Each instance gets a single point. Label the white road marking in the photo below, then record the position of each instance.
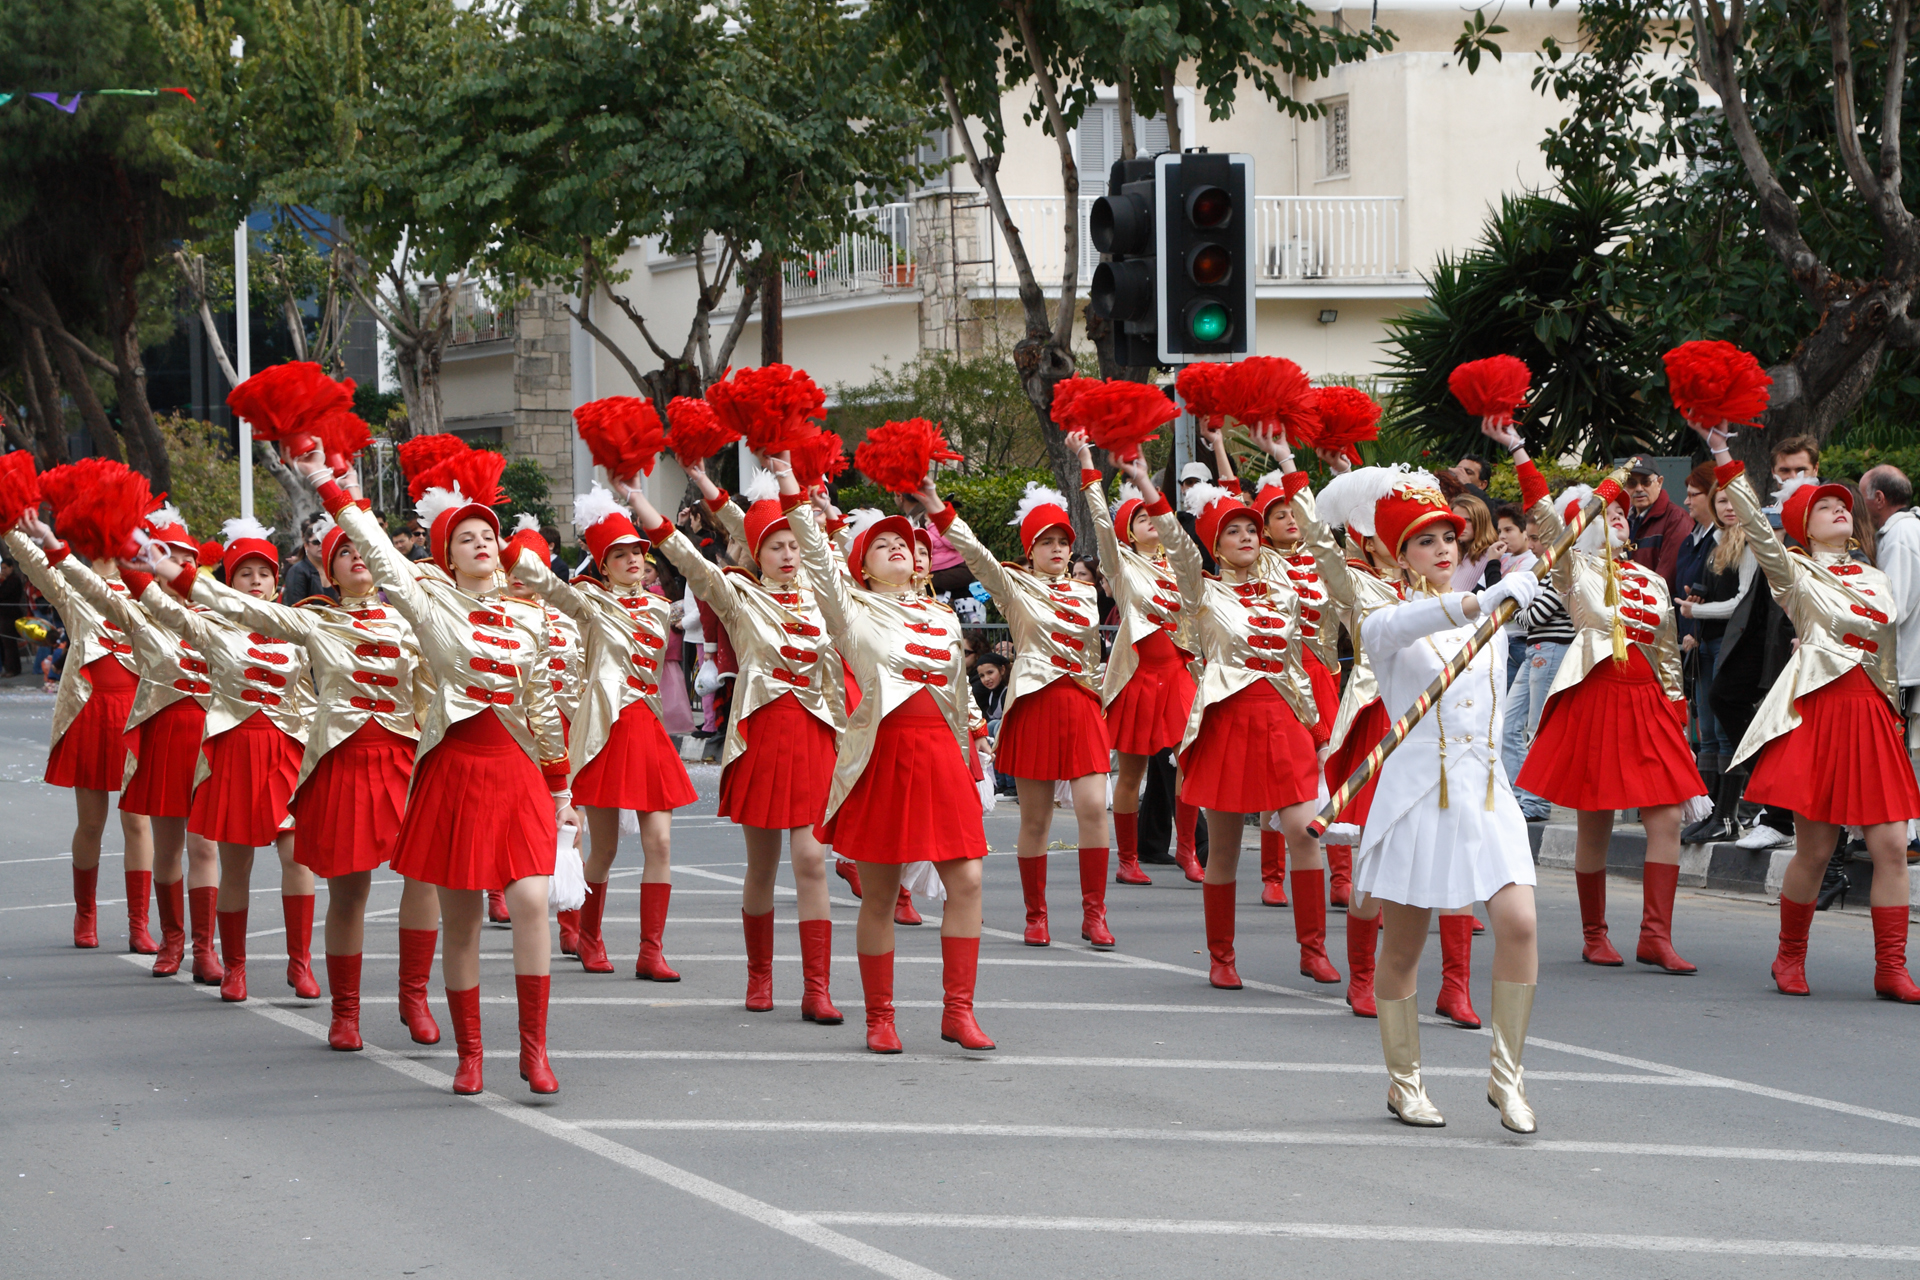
(99, 902)
(58, 857)
(1043, 1006)
(1251, 1137)
(1344, 1232)
(371, 915)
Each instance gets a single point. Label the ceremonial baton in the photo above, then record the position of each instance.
(1426, 701)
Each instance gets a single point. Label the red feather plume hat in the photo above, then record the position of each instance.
(1200, 386)
(623, 433)
(463, 486)
(246, 539)
(1212, 507)
(97, 504)
(773, 408)
(896, 455)
(1273, 392)
(1348, 415)
(19, 487)
(1715, 383)
(1413, 503)
(765, 513)
(1491, 388)
(697, 432)
(422, 454)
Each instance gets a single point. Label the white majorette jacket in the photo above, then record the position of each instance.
(480, 655)
(1146, 595)
(779, 638)
(1054, 620)
(1843, 612)
(90, 635)
(897, 645)
(624, 632)
(1247, 624)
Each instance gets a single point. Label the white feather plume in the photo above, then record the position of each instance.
(1349, 497)
(1272, 480)
(1037, 495)
(244, 527)
(524, 523)
(861, 519)
(322, 526)
(590, 508)
(436, 501)
(761, 487)
(1201, 496)
(165, 514)
(1129, 492)
(1793, 486)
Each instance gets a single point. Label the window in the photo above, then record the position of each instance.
(1097, 143)
(1334, 127)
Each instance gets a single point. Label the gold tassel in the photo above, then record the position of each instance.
(1613, 595)
(1443, 780)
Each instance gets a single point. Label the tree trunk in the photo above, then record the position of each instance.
(1129, 145)
(301, 502)
(1170, 105)
(49, 416)
(772, 324)
(73, 376)
(144, 443)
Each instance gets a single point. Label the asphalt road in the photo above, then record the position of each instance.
(1134, 1121)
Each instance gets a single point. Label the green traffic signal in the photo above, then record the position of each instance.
(1208, 322)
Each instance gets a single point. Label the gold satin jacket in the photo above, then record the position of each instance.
(626, 649)
(480, 653)
(779, 641)
(1645, 611)
(1248, 625)
(1843, 614)
(1054, 621)
(365, 662)
(566, 660)
(170, 668)
(1318, 572)
(897, 645)
(1145, 594)
(89, 635)
(1371, 593)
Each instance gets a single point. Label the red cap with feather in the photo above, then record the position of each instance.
(247, 539)
(462, 487)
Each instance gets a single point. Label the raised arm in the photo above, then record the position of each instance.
(392, 571)
(1768, 551)
(116, 608)
(1182, 552)
(817, 554)
(985, 565)
(1106, 539)
(279, 620)
(535, 572)
(705, 580)
(167, 609)
(1328, 560)
(45, 578)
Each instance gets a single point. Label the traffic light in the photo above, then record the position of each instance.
(1124, 290)
(1203, 252)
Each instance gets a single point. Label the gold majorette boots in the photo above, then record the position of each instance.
(1512, 1007)
(1400, 1042)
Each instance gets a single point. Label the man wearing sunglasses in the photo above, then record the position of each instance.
(1658, 525)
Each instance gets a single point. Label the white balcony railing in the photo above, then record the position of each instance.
(876, 260)
(1296, 239)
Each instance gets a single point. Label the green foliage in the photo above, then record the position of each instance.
(1505, 483)
(1849, 461)
(378, 407)
(526, 487)
(985, 502)
(206, 477)
(1476, 39)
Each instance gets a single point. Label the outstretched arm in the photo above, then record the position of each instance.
(392, 571)
(1768, 550)
(1105, 538)
(703, 578)
(1181, 551)
(816, 553)
(985, 565)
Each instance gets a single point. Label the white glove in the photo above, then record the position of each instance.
(1520, 588)
(708, 681)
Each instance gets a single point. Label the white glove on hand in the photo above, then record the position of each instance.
(1520, 588)
(708, 681)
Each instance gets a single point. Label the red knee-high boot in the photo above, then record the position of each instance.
(497, 907)
(416, 965)
(960, 966)
(139, 889)
(1339, 875)
(759, 934)
(172, 902)
(1216, 902)
(1273, 868)
(202, 909)
(816, 962)
(463, 1009)
(1185, 816)
(652, 964)
(1033, 887)
(1659, 881)
(233, 953)
(86, 911)
(1595, 949)
(1310, 924)
(569, 931)
(846, 869)
(532, 990)
(1891, 981)
(1126, 839)
(876, 984)
(1456, 971)
(1790, 964)
(1093, 900)
(343, 983)
(903, 912)
(298, 910)
(591, 944)
(1361, 937)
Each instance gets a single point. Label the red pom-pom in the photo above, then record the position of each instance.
(623, 434)
(1274, 392)
(19, 487)
(819, 458)
(1200, 386)
(698, 433)
(773, 408)
(343, 436)
(1119, 415)
(294, 404)
(476, 473)
(1065, 393)
(97, 504)
(1348, 415)
(422, 454)
(1491, 388)
(896, 456)
(211, 554)
(1716, 382)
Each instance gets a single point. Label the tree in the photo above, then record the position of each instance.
(972, 52)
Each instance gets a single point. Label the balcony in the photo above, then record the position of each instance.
(869, 264)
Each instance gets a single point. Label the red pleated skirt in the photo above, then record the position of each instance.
(167, 756)
(92, 753)
(1326, 694)
(916, 802)
(639, 768)
(782, 779)
(347, 813)
(1252, 754)
(1149, 714)
(479, 815)
(1369, 726)
(244, 800)
(1055, 733)
(1611, 742)
(1845, 763)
